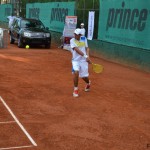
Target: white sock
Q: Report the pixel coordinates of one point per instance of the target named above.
(75, 88)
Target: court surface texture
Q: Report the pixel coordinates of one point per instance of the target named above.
(38, 111)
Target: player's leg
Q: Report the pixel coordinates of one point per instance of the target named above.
(88, 84)
(76, 78)
(84, 74)
(75, 72)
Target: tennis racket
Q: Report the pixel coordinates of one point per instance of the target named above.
(97, 68)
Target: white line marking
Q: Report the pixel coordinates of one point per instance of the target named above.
(7, 122)
(16, 147)
(21, 126)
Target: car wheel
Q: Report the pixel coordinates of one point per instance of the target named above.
(20, 44)
(11, 39)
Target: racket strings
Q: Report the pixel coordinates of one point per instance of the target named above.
(97, 68)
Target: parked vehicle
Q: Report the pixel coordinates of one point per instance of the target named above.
(29, 31)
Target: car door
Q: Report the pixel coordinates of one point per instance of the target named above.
(15, 29)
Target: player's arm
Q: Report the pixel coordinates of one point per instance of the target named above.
(82, 54)
(78, 51)
(87, 48)
(88, 51)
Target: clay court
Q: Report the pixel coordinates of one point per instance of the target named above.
(36, 84)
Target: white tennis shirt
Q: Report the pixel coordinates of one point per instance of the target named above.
(11, 18)
(82, 44)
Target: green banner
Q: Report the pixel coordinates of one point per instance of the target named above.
(125, 22)
(6, 10)
(52, 14)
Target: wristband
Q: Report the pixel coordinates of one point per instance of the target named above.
(85, 56)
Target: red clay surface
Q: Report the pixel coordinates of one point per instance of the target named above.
(37, 85)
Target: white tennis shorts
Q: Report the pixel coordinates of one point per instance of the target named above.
(82, 67)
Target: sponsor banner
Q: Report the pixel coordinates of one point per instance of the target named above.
(91, 25)
(52, 14)
(125, 22)
(70, 26)
(6, 10)
(68, 33)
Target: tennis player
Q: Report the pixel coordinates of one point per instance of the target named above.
(11, 19)
(80, 60)
(82, 29)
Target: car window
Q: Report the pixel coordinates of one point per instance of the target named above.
(24, 24)
(31, 24)
(38, 24)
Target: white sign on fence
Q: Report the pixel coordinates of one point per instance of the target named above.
(91, 25)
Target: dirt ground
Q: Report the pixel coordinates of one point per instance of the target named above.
(37, 85)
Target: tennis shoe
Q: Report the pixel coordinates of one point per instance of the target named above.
(87, 87)
(75, 93)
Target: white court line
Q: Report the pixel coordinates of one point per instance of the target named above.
(7, 122)
(20, 125)
(16, 147)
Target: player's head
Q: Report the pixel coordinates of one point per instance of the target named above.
(82, 25)
(77, 33)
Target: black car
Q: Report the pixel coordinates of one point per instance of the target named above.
(28, 32)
